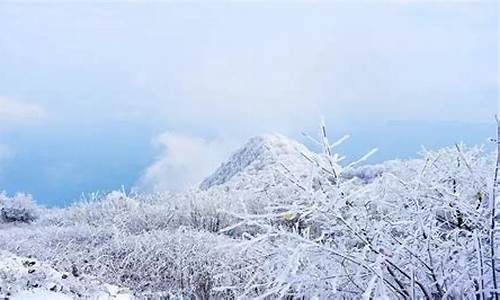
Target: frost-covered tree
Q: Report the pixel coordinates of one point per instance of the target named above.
(417, 228)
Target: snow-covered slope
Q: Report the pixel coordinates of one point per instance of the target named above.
(269, 157)
(276, 160)
(269, 170)
(26, 278)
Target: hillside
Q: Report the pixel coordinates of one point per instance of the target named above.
(268, 158)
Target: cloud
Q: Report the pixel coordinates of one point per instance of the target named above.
(183, 161)
(16, 112)
(355, 64)
(278, 76)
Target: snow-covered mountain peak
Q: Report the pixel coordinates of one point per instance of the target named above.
(259, 153)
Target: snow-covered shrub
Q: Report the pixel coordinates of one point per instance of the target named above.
(19, 208)
(365, 173)
(153, 244)
(179, 263)
(419, 230)
(127, 213)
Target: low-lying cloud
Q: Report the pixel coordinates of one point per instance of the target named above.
(183, 161)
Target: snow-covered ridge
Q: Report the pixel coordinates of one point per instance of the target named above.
(258, 153)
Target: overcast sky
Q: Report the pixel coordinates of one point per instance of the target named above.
(95, 95)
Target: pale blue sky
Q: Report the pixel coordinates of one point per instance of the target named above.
(88, 87)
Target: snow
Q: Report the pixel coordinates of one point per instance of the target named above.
(267, 152)
(49, 295)
(40, 295)
(273, 221)
(27, 278)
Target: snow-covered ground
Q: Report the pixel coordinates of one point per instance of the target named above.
(27, 278)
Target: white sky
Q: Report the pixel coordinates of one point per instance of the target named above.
(226, 71)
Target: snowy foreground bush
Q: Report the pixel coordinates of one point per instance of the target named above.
(19, 208)
(279, 221)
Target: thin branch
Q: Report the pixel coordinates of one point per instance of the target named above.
(481, 266)
(493, 212)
